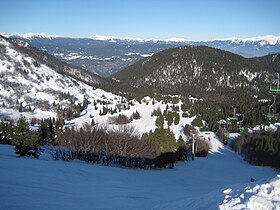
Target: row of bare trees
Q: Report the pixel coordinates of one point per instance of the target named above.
(121, 146)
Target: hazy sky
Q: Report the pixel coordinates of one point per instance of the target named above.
(194, 20)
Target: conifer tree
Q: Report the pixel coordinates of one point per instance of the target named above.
(197, 122)
(177, 119)
(164, 138)
(182, 153)
(181, 143)
(20, 109)
(160, 121)
(85, 103)
(43, 132)
(6, 132)
(136, 115)
(26, 141)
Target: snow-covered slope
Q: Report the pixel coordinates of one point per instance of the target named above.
(35, 87)
(221, 180)
(37, 91)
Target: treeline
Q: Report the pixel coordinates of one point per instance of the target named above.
(165, 137)
(209, 114)
(259, 148)
(120, 147)
(251, 113)
(27, 141)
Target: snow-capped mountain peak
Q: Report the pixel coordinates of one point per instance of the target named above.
(31, 35)
(263, 40)
(133, 39)
(114, 38)
(104, 38)
(269, 39)
(176, 40)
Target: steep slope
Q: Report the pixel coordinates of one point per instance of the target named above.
(33, 81)
(108, 55)
(52, 62)
(199, 71)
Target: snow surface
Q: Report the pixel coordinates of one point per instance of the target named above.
(250, 76)
(147, 55)
(217, 181)
(260, 196)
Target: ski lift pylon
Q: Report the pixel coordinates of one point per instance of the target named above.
(277, 88)
(270, 115)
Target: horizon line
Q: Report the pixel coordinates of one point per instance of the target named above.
(29, 35)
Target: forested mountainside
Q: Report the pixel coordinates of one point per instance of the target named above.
(198, 71)
(272, 60)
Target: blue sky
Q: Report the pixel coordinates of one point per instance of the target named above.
(194, 20)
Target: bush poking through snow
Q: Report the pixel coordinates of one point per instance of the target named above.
(136, 115)
(119, 120)
(119, 147)
(202, 148)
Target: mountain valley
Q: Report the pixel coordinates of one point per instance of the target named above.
(108, 55)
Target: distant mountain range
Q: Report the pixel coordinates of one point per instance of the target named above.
(107, 55)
